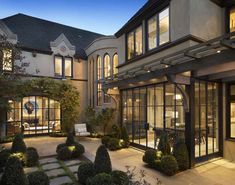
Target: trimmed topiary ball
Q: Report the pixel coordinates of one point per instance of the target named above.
(70, 140)
(14, 172)
(119, 178)
(150, 156)
(59, 146)
(113, 144)
(169, 165)
(31, 157)
(38, 178)
(21, 157)
(105, 140)
(85, 170)
(77, 150)
(18, 144)
(101, 179)
(102, 160)
(156, 165)
(64, 153)
(164, 144)
(181, 154)
(4, 155)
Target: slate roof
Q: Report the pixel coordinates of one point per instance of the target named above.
(36, 34)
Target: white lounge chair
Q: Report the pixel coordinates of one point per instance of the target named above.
(81, 130)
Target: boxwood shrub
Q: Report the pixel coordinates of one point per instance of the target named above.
(105, 140)
(169, 165)
(18, 144)
(150, 156)
(102, 162)
(77, 150)
(64, 153)
(38, 178)
(113, 144)
(14, 172)
(70, 140)
(4, 154)
(119, 178)
(156, 165)
(101, 179)
(59, 146)
(31, 157)
(164, 144)
(85, 170)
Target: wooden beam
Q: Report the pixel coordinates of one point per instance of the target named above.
(214, 69)
(225, 56)
(222, 75)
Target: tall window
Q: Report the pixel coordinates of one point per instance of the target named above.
(99, 68)
(135, 43)
(232, 20)
(7, 60)
(107, 66)
(158, 37)
(63, 66)
(115, 64)
(99, 95)
(231, 128)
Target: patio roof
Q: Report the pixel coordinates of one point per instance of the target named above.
(209, 53)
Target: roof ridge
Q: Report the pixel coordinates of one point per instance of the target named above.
(49, 21)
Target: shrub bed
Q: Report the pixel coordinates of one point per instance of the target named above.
(101, 179)
(38, 178)
(18, 144)
(31, 157)
(4, 154)
(181, 155)
(85, 170)
(150, 156)
(169, 165)
(113, 144)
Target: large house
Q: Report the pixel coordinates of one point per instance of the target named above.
(170, 68)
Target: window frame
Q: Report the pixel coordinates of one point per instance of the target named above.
(134, 33)
(63, 66)
(109, 66)
(114, 67)
(230, 99)
(156, 15)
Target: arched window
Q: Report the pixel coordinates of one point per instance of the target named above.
(107, 66)
(115, 64)
(99, 68)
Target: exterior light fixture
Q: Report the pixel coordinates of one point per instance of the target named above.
(218, 51)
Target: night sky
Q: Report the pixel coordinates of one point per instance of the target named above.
(101, 16)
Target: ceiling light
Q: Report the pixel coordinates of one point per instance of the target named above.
(218, 51)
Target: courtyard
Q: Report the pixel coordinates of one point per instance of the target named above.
(216, 172)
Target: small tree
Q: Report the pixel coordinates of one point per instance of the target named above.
(102, 162)
(164, 145)
(18, 144)
(70, 140)
(90, 117)
(105, 117)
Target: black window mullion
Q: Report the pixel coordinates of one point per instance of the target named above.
(206, 118)
(158, 31)
(199, 129)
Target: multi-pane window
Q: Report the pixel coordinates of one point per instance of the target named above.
(135, 43)
(107, 66)
(99, 68)
(232, 20)
(115, 64)
(158, 37)
(231, 128)
(99, 95)
(63, 66)
(7, 64)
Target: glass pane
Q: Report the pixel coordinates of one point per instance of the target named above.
(197, 121)
(107, 66)
(68, 67)
(99, 95)
(170, 95)
(152, 33)
(130, 44)
(99, 68)
(232, 120)
(115, 64)
(232, 20)
(58, 66)
(139, 41)
(164, 26)
(232, 90)
(159, 94)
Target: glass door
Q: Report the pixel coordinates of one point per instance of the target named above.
(206, 119)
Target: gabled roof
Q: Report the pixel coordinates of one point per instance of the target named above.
(149, 6)
(36, 34)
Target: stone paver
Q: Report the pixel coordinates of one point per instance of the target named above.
(76, 176)
(31, 169)
(72, 162)
(48, 160)
(55, 172)
(73, 168)
(60, 180)
(50, 166)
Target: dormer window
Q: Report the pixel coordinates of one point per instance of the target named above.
(63, 66)
(7, 64)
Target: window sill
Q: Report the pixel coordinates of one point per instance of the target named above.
(230, 139)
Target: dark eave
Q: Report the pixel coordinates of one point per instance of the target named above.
(224, 3)
(147, 10)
